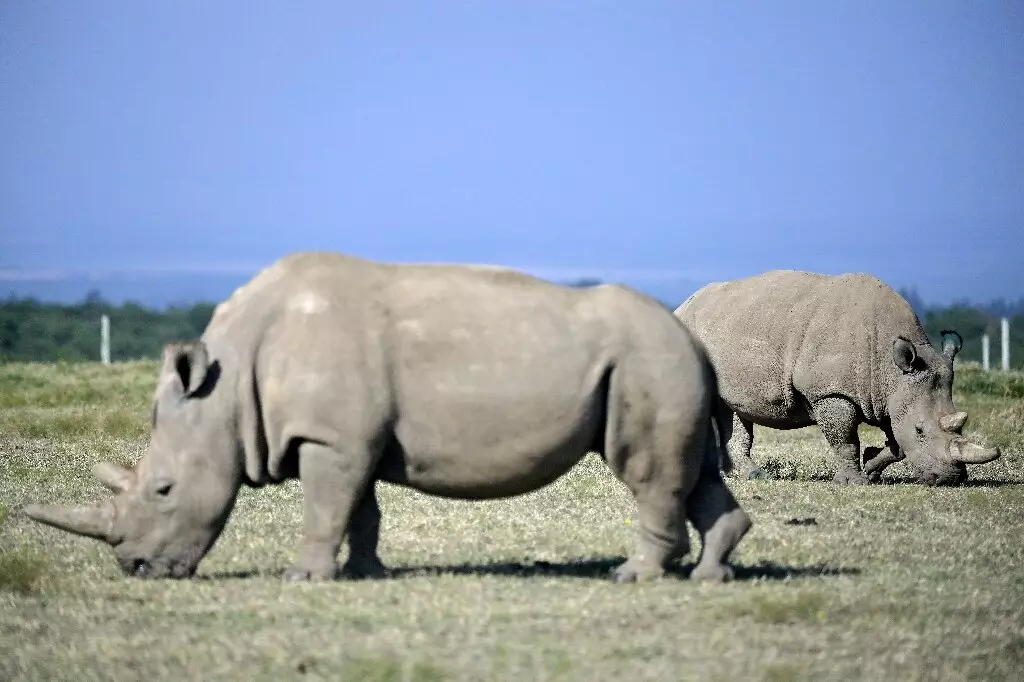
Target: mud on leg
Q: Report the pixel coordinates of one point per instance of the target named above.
(837, 418)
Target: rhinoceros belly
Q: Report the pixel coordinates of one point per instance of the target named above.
(495, 394)
(494, 446)
(758, 386)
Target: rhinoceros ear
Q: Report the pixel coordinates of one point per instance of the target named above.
(904, 354)
(185, 365)
(952, 342)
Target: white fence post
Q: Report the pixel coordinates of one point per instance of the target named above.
(1006, 344)
(105, 340)
(984, 352)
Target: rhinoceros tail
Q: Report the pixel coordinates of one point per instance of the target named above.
(716, 453)
(721, 452)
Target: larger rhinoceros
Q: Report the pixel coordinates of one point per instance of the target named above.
(793, 348)
(459, 381)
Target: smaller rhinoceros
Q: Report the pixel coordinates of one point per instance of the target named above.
(458, 381)
(794, 348)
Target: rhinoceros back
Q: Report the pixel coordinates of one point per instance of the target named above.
(474, 376)
(783, 339)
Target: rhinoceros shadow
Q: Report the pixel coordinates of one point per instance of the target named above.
(906, 479)
(969, 483)
(598, 568)
(602, 568)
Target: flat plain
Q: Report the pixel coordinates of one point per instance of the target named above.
(880, 582)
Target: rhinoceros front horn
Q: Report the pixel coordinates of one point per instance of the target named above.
(971, 453)
(91, 521)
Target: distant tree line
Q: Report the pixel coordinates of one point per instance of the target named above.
(972, 321)
(31, 330)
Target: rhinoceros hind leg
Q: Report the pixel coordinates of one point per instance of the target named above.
(333, 484)
(661, 539)
(743, 465)
(721, 523)
(837, 418)
(363, 536)
(661, 522)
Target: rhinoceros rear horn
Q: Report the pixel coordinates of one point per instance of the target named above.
(971, 453)
(186, 362)
(952, 342)
(114, 476)
(92, 521)
(952, 423)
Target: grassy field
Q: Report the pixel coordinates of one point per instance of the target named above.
(883, 582)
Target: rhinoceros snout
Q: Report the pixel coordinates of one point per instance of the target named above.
(950, 477)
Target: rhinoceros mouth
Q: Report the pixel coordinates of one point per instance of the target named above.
(948, 477)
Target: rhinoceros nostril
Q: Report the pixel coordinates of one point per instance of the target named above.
(140, 568)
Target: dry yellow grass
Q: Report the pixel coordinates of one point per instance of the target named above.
(890, 581)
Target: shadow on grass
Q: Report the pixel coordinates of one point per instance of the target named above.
(580, 568)
(989, 483)
(602, 568)
(900, 480)
(969, 483)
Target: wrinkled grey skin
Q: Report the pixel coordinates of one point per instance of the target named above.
(458, 381)
(795, 348)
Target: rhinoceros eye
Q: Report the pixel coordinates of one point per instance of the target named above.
(162, 487)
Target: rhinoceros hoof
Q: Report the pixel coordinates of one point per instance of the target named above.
(630, 573)
(716, 573)
(298, 573)
(847, 476)
(364, 569)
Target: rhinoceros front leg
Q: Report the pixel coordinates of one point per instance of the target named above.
(333, 484)
(837, 418)
(877, 459)
(363, 536)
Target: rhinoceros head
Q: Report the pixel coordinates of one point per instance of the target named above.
(925, 423)
(168, 511)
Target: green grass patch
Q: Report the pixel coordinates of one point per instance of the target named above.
(971, 378)
(21, 570)
(386, 670)
(76, 400)
(76, 384)
(890, 581)
(116, 422)
(779, 609)
(21, 567)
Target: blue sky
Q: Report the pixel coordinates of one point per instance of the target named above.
(656, 142)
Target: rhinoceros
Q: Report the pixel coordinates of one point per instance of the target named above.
(793, 348)
(460, 381)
